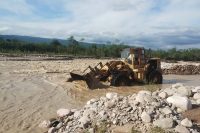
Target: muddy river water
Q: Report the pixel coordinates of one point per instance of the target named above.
(31, 92)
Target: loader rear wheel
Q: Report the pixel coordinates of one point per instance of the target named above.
(120, 80)
(155, 77)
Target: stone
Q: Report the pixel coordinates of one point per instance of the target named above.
(166, 110)
(63, 112)
(181, 129)
(59, 125)
(84, 121)
(111, 95)
(186, 122)
(146, 117)
(144, 92)
(164, 123)
(45, 124)
(198, 101)
(196, 89)
(196, 96)
(184, 91)
(179, 101)
(143, 97)
(91, 101)
(169, 91)
(163, 95)
(77, 114)
(51, 130)
(177, 85)
(91, 130)
(109, 104)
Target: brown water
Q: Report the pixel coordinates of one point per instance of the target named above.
(29, 95)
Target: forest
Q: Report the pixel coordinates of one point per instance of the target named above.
(74, 48)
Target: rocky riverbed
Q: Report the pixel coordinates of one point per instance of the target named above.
(144, 111)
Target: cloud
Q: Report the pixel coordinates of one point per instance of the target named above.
(166, 23)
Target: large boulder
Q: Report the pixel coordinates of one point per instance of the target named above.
(179, 101)
(164, 123)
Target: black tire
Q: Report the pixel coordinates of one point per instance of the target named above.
(120, 80)
(155, 77)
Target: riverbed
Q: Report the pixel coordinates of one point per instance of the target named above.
(32, 91)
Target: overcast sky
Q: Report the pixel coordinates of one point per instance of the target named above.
(149, 23)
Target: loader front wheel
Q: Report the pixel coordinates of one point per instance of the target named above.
(120, 80)
(155, 77)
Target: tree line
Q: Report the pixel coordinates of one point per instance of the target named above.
(74, 48)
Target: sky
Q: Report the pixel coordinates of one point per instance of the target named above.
(159, 24)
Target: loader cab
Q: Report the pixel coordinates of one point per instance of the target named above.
(134, 57)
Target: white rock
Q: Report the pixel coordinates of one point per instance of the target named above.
(163, 95)
(196, 89)
(181, 102)
(144, 97)
(109, 104)
(111, 95)
(181, 129)
(91, 101)
(63, 112)
(196, 96)
(166, 110)
(164, 123)
(169, 91)
(145, 117)
(44, 124)
(85, 121)
(198, 101)
(186, 122)
(144, 92)
(51, 130)
(184, 91)
(177, 85)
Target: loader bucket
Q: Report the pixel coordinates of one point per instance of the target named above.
(76, 76)
(90, 80)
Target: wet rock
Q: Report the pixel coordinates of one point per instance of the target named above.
(196, 96)
(45, 124)
(111, 95)
(163, 95)
(181, 129)
(182, 102)
(63, 112)
(146, 117)
(164, 123)
(186, 122)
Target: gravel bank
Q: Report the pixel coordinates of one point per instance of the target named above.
(145, 110)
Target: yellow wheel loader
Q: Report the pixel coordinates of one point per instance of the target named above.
(133, 67)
